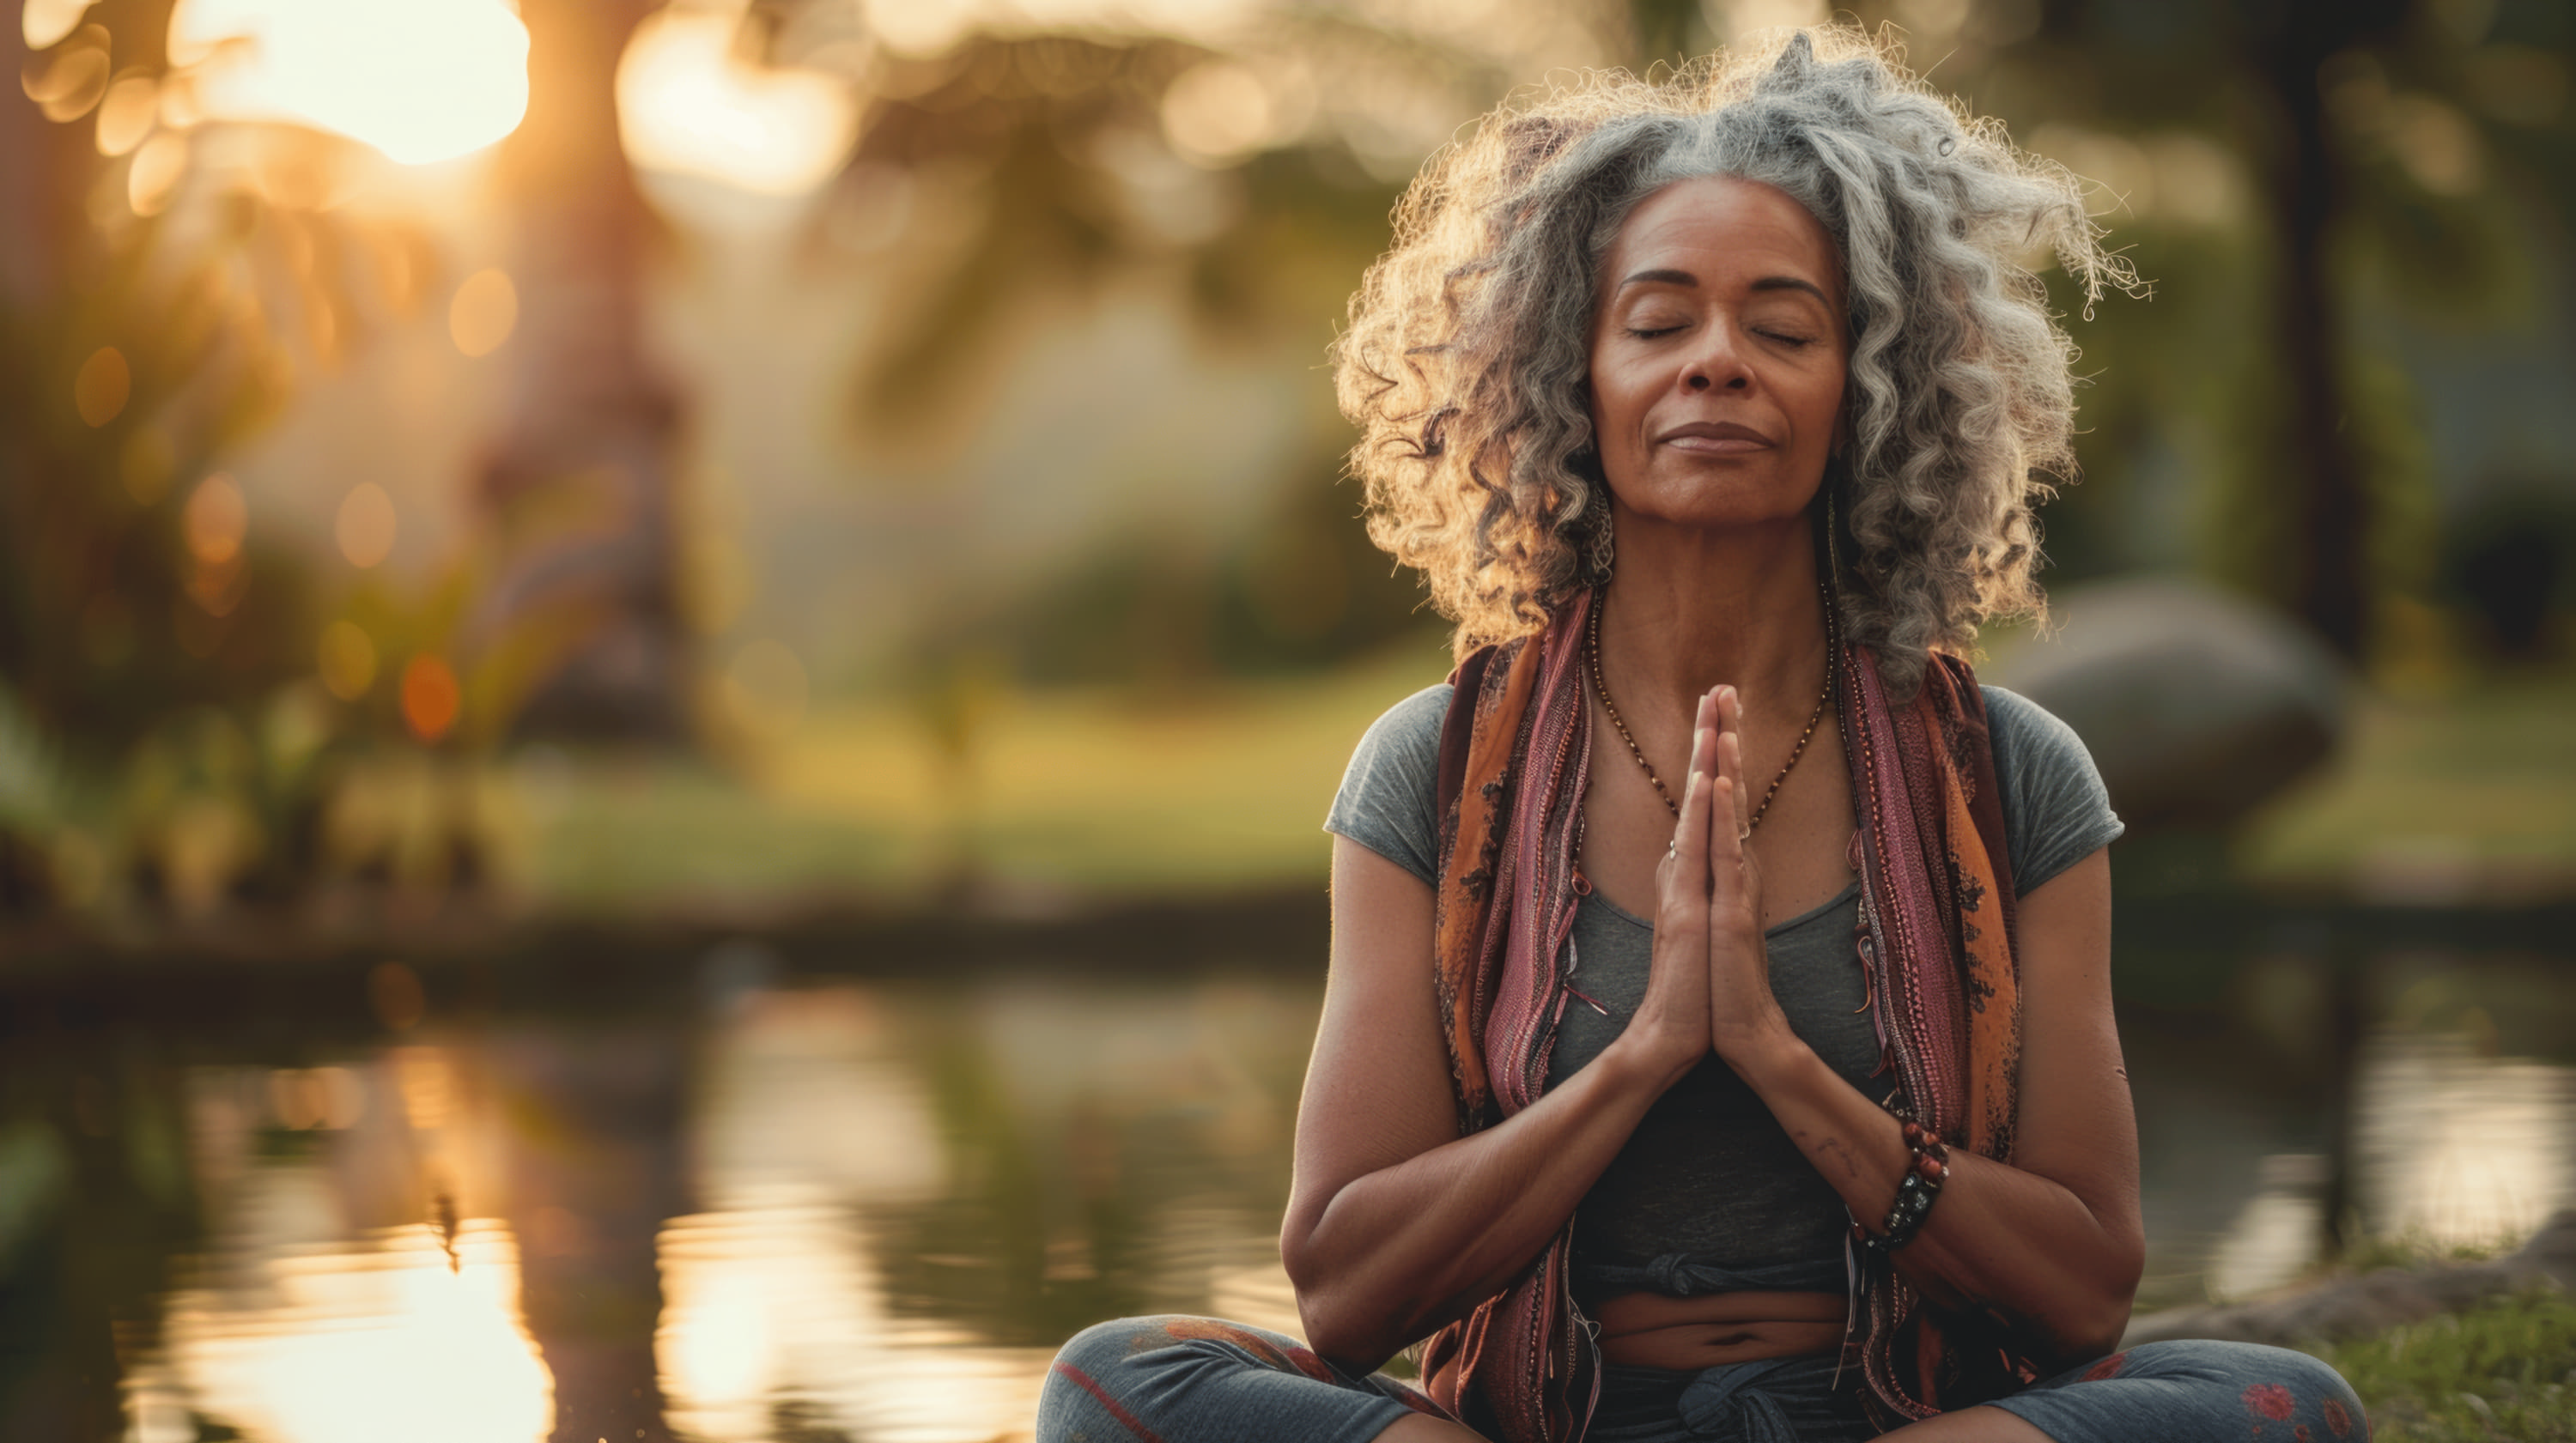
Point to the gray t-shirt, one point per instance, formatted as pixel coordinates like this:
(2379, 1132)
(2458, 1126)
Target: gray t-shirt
(1709, 1189)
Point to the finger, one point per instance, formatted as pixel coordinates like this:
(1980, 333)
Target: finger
(1725, 848)
(1690, 830)
(1704, 739)
(1731, 752)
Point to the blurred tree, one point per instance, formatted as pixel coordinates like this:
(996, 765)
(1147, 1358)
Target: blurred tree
(578, 631)
(2307, 186)
(1056, 159)
(126, 372)
(2308, 166)
(1059, 163)
(159, 296)
(133, 585)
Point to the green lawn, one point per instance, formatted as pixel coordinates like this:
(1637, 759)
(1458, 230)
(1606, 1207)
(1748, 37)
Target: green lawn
(1069, 794)
(2468, 798)
(1061, 794)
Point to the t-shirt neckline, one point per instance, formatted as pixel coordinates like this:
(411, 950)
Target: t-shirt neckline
(1850, 890)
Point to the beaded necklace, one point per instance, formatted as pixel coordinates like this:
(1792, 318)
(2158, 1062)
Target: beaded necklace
(1833, 647)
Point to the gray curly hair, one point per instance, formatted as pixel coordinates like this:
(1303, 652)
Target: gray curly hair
(1466, 359)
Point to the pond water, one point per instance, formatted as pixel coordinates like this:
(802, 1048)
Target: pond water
(806, 1207)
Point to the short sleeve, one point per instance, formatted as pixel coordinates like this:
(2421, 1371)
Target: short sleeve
(1391, 789)
(2056, 810)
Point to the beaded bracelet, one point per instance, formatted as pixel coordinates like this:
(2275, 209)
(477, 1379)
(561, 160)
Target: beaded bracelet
(1924, 1174)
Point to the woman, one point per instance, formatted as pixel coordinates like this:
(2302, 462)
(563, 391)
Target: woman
(1708, 411)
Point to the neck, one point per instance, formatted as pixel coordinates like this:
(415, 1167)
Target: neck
(1690, 608)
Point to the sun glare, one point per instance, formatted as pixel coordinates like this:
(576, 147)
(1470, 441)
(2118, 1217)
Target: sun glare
(420, 80)
(688, 104)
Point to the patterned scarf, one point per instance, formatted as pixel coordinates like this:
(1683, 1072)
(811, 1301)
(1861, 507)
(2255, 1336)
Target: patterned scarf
(1936, 937)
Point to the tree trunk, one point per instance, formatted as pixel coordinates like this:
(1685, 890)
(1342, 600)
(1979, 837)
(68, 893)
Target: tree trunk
(579, 632)
(2330, 504)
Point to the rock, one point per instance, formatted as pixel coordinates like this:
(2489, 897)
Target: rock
(2197, 704)
(2353, 1307)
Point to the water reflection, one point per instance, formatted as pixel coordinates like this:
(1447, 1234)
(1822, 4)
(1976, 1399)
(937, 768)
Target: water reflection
(911, 1197)
(777, 1322)
(2459, 1148)
(815, 1211)
(779, 1325)
(2455, 1148)
(384, 1340)
(325, 1310)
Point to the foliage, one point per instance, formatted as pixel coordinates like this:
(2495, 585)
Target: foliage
(160, 666)
(2372, 1251)
(2504, 1371)
(1046, 150)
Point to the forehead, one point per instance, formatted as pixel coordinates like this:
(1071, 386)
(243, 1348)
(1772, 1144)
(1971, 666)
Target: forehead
(1721, 225)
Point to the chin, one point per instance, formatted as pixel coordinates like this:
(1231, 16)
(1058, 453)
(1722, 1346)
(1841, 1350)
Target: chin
(1714, 499)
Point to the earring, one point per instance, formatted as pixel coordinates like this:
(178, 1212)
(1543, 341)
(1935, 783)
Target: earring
(1600, 547)
(1837, 472)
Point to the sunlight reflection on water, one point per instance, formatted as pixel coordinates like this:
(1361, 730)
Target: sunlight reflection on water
(899, 1199)
(381, 1341)
(2454, 1150)
(2461, 1149)
(777, 1313)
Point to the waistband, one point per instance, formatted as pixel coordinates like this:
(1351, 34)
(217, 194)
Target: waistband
(1677, 1275)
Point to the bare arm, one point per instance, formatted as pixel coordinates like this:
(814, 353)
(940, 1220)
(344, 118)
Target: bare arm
(1397, 1225)
(2051, 1242)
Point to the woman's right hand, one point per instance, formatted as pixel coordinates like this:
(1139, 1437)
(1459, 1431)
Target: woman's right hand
(1670, 1033)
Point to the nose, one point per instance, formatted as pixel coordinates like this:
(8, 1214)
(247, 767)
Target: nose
(1719, 364)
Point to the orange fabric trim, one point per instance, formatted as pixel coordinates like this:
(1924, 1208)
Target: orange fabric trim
(1465, 906)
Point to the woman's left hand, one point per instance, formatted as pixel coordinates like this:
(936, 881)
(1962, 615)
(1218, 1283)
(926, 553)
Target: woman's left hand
(1744, 1016)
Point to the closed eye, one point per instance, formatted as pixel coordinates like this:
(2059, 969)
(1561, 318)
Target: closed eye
(1648, 335)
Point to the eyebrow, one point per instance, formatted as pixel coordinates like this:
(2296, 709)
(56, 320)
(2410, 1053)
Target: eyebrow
(1685, 278)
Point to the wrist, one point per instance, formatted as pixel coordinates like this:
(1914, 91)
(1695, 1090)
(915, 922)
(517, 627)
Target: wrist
(1764, 1047)
(1644, 1059)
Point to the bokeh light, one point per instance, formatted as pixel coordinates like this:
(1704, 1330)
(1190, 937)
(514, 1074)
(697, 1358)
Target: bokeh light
(346, 660)
(484, 312)
(306, 1098)
(420, 80)
(101, 389)
(153, 176)
(126, 115)
(366, 525)
(688, 103)
(44, 23)
(430, 696)
(217, 519)
(1220, 111)
(66, 86)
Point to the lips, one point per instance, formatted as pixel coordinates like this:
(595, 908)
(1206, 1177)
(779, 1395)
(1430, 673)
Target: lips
(1715, 438)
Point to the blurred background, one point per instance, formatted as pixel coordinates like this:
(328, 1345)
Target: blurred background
(667, 670)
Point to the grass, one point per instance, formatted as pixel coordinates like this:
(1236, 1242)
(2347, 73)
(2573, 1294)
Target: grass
(2503, 1371)
(2467, 797)
(1061, 795)
(1073, 794)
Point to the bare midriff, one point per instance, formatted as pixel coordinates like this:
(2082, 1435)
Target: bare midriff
(1650, 1330)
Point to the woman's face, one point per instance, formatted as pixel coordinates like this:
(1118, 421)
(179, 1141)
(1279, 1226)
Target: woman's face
(1718, 355)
